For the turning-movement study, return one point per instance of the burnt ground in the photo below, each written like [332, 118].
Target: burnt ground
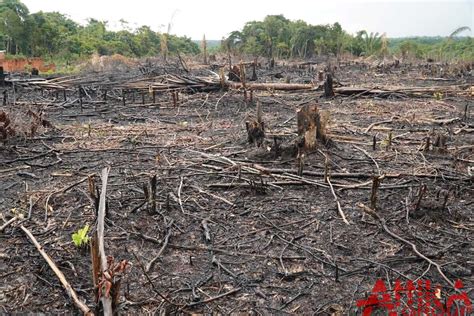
[277, 243]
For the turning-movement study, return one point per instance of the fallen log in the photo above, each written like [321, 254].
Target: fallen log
[351, 90]
[410, 91]
[271, 86]
[215, 82]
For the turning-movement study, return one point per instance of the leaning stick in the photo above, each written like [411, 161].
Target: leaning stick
[339, 208]
[106, 300]
[69, 290]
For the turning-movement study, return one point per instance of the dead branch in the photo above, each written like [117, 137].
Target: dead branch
[214, 298]
[336, 199]
[381, 220]
[105, 299]
[7, 223]
[69, 290]
[163, 247]
[369, 128]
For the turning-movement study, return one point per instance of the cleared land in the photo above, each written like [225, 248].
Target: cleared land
[233, 228]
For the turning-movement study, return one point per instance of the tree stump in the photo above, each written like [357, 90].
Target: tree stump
[321, 76]
[254, 71]
[234, 74]
[328, 88]
[312, 125]
[256, 128]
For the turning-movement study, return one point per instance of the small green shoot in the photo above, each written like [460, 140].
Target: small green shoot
[438, 96]
[387, 142]
[80, 237]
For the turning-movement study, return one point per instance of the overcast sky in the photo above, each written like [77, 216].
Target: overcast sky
[397, 18]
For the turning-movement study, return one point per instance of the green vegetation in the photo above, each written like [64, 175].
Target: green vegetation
[279, 37]
[53, 35]
[80, 237]
[437, 48]
[57, 38]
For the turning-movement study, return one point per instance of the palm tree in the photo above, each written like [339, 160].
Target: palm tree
[459, 30]
[372, 42]
[449, 41]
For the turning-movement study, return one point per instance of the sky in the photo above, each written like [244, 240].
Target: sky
[216, 19]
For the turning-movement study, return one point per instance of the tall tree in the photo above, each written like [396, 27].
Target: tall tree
[13, 25]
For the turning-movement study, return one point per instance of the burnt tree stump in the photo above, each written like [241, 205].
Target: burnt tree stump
[234, 74]
[321, 76]
[272, 63]
[311, 126]
[328, 86]
[256, 128]
[254, 71]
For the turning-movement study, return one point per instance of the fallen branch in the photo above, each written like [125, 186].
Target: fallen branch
[369, 128]
[336, 199]
[11, 220]
[162, 249]
[151, 282]
[69, 290]
[271, 86]
[214, 298]
[221, 266]
[369, 156]
[381, 220]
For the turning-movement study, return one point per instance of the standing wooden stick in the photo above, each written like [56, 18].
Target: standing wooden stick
[69, 290]
[105, 299]
[375, 187]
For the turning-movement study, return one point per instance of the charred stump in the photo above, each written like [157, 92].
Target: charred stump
[254, 71]
[272, 63]
[440, 143]
[234, 74]
[321, 76]
[328, 86]
[256, 128]
[312, 126]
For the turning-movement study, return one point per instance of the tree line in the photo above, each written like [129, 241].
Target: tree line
[276, 36]
[55, 36]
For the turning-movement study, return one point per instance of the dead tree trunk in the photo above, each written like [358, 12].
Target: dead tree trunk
[254, 70]
[328, 88]
[311, 126]
[256, 128]
[272, 63]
